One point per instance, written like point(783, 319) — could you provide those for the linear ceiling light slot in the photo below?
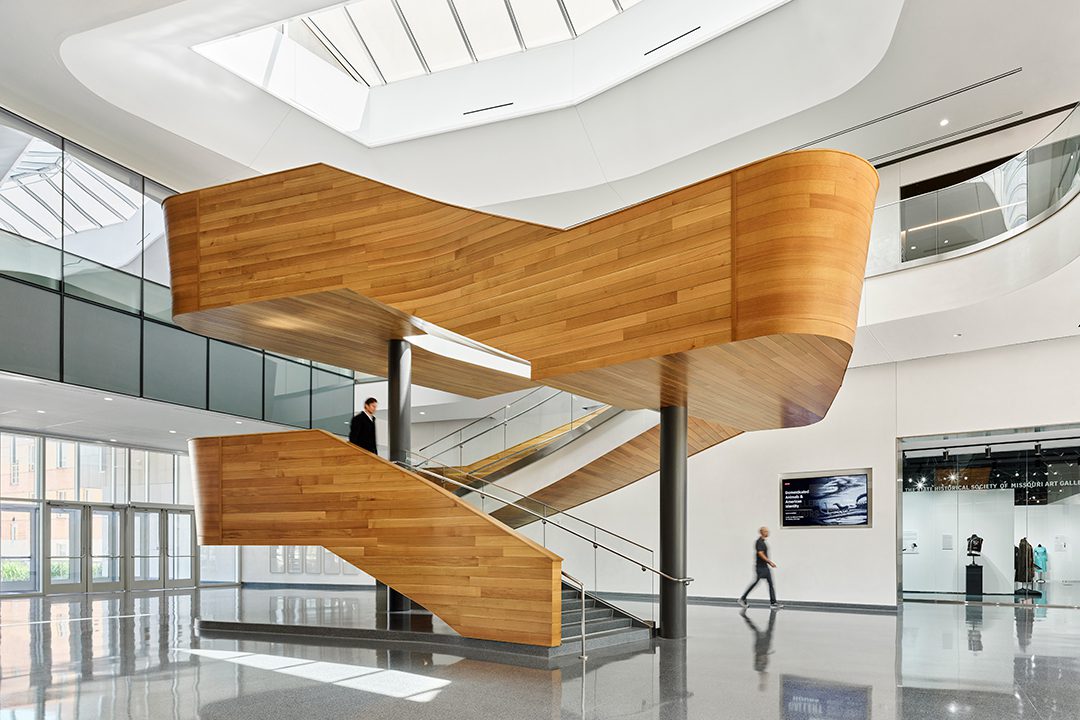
point(909, 108)
point(484, 109)
point(677, 37)
point(946, 136)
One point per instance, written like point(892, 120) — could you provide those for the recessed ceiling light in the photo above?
point(239, 422)
point(912, 247)
point(40, 412)
point(946, 242)
point(172, 432)
point(958, 334)
point(422, 412)
point(112, 439)
point(107, 399)
point(944, 122)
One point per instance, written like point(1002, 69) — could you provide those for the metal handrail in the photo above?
point(554, 510)
point(527, 448)
point(541, 518)
point(581, 587)
point(500, 423)
point(466, 427)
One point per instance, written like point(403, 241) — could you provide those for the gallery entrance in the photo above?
point(991, 521)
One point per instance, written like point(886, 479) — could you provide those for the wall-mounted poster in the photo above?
point(839, 499)
point(911, 542)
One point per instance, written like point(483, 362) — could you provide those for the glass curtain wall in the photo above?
point(85, 299)
point(994, 522)
point(85, 490)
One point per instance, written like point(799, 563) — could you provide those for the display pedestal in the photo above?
point(974, 585)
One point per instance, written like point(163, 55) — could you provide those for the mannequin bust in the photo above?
point(974, 547)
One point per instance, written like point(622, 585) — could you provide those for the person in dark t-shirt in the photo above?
point(762, 568)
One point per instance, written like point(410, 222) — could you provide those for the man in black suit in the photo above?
point(362, 428)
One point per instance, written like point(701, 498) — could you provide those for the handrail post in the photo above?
point(581, 588)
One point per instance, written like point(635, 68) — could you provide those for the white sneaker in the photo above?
point(743, 603)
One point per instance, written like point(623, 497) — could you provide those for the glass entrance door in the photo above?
point(64, 556)
point(181, 565)
point(144, 540)
point(106, 548)
point(18, 547)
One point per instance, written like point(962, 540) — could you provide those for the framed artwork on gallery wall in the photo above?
point(277, 559)
point(832, 499)
point(331, 563)
point(294, 559)
point(313, 560)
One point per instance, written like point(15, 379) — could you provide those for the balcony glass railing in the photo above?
point(84, 296)
point(982, 211)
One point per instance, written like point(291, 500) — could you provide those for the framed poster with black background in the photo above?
point(834, 499)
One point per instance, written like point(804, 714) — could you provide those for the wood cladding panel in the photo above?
point(629, 309)
point(308, 487)
point(624, 465)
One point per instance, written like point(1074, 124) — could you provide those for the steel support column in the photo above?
point(399, 380)
point(673, 521)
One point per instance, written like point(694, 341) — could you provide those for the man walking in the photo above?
point(362, 428)
point(762, 565)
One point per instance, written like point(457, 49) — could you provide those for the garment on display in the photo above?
point(1041, 563)
point(974, 547)
point(1025, 568)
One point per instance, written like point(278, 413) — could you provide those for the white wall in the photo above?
point(734, 486)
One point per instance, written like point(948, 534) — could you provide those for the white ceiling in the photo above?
point(700, 113)
point(53, 408)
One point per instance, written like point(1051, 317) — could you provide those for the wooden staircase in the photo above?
point(308, 487)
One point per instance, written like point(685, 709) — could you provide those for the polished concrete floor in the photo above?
point(136, 656)
point(1054, 593)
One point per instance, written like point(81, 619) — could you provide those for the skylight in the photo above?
point(375, 42)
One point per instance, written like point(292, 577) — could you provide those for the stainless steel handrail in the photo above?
point(527, 448)
point(500, 423)
point(541, 518)
point(554, 510)
point(581, 587)
point(466, 427)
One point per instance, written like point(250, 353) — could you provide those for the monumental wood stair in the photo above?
point(736, 297)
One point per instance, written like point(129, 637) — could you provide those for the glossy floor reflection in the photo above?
point(135, 656)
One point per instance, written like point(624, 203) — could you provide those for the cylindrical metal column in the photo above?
point(399, 380)
point(673, 521)
point(399, 377)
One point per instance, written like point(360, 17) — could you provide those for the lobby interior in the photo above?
point(649, 295)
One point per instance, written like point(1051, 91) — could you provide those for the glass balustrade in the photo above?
point(986, 209)
point(511, 433)
point(612, 566)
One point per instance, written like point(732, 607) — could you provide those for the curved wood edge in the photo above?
point(309, 487)
point(775, 248)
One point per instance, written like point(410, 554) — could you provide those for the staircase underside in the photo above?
point(632, 461)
